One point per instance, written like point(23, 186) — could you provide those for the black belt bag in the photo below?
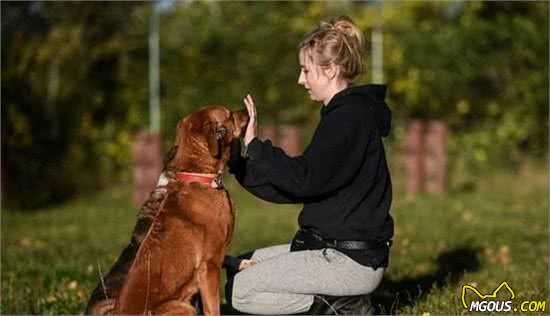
point(307, 240)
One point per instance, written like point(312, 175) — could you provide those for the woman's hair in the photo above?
point(338, 41)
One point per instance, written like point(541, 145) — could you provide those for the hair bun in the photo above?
point(345, 25)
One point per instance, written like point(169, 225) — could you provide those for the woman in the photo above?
point(341, 250)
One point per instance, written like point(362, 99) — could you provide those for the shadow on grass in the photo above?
point(392, 295)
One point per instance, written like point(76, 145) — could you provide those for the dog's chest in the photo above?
point(203, 206)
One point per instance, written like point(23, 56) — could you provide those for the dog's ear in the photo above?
point(170, 156)
point(214, 136)
point(180, 128)
point(170, 159)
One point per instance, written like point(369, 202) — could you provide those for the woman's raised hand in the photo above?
point(250, 132)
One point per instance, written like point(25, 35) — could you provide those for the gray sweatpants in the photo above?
point(284, 282)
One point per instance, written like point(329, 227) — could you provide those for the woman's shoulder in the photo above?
point(347, 105)
point(365, 105)
point(351, 108)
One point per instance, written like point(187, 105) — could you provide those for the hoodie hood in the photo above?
point(371, 95)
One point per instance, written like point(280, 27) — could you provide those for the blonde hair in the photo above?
point(339, 42)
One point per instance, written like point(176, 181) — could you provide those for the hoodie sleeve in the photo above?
point(330, 162)
point(246, 174)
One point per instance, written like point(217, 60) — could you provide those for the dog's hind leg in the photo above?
point(104, 307)
point(174, 307)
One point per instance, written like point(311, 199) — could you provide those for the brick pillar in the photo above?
point(290, 139)
point(147, 159)
point(269, 132)
point(435, 157)
point(412, 160)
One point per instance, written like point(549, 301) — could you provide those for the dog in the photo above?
point(175, 255)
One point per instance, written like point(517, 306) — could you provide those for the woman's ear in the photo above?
point(332, 71)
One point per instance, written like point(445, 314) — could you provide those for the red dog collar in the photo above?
point(209, 179)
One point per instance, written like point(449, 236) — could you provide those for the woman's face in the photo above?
point(313, 78)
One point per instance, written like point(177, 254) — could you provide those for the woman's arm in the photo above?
point(330, 162)
point(252, 181)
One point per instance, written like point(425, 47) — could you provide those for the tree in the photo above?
point(67, 109)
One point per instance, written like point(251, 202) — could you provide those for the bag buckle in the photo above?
point(333, 243)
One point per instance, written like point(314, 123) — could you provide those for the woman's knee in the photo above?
point(240, 293)
point(243, 284)
point(267, 303)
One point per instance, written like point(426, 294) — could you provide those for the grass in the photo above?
point(497, 230)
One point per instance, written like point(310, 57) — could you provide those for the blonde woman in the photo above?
point(341, 250)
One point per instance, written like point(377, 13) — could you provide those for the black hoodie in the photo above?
point(342, 177)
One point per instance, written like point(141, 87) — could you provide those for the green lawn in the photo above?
point(495, 230)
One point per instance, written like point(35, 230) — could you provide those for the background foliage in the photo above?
point(75, 90)
point(75, 78)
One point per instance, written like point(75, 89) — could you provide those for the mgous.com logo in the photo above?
point(490, 302)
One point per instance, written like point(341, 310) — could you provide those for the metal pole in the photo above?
point(154, 86)
point(377, 62)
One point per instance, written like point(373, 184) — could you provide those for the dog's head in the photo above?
point(203, 139)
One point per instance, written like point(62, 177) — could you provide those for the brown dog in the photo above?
point(183, 229)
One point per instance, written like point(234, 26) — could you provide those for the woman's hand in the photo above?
point(250, 132)
point(246, 263)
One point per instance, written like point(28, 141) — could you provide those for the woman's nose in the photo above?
point(301, 79)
